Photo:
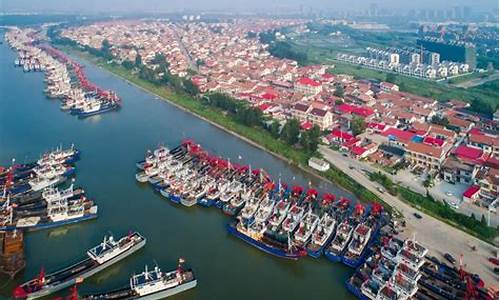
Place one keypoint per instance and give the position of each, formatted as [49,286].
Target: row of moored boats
[402,270]
[65,79]
[150,284]
[285,222]
[34,197]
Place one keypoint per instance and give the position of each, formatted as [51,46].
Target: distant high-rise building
[457,12]
[467,12]
[435,58]
[373,12]
[415,58]
[451,51]
[394,58]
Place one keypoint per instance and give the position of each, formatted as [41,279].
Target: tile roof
[425,149]
[398,134]
[308,81]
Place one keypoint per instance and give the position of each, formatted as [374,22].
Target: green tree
[275,129]
[483,221]
[314,136]
[339,91]
[291,131]
[391,77]
[138,60]
[200,62]
[251,34]
[127,64]
[159,59]
[190,87]
[358,125]
[443,121]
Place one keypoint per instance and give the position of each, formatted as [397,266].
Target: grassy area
[468,77]
[254,134]
[360,191]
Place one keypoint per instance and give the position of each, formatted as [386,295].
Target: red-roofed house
[304,112]
[264,107]
[358,151]
[433,141]
[487,142]
[306,125]
[388,87]
[307,86]
[360,111]
[339,137]
[468,153]
[398,137]
[375,127]
[471,194]
[487,179]
[455,170]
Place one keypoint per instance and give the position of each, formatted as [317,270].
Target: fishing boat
[279,215]
[148,172]
[39,183]
[211,196]
[95,107]
[152,284]
[236,204]
[337,246]
[265,243]
[293,218]
[322,235]
[357,245]
[232,191]
[249,210]
[265,210]
[60,156]
[306,228]
[107,253]
[51,171]
[54,215]
[363,235]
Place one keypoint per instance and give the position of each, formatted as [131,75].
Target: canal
[111,143]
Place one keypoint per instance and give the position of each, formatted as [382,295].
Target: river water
[226,267]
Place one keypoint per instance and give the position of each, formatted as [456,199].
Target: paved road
[192,64]
[439,237]
[438,192]
[477,81]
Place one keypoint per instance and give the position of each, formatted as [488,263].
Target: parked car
[381,190]
[417,215]
[493,260]
[450,258]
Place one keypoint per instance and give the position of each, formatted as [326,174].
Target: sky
[129,6]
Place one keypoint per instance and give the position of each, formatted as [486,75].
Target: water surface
[226,267]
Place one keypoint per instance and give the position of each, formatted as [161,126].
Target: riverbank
[111,143]
[254,136]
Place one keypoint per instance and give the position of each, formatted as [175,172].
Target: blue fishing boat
[264,243]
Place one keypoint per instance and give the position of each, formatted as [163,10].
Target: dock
[12,259]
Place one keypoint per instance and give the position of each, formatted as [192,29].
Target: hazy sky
[93,6]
